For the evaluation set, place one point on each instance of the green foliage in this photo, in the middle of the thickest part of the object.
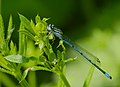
(16, 58)
(53, 62)
(1, 33)
(11, 60)
(10, 29)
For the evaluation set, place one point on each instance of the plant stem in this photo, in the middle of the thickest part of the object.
(62, 76)
(22, 51)
(22, 42)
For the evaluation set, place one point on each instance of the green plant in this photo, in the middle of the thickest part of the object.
(51, 62)
(12, 60)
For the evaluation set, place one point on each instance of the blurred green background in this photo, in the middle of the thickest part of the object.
(94, 24)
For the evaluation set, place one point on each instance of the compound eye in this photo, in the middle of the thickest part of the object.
(52, 26)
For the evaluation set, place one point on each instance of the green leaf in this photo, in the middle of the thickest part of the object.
(4, 63)
(16, 58)
(89, 77)
(25, 73)
(37, 19)
(32, 24)
(26, 23)
(6, 71)
(10, 29)
(2, 36)
(13, 49)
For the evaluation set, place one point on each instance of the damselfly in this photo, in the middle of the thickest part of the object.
(58, 33)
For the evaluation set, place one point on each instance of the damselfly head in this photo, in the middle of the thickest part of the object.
(50, 27)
